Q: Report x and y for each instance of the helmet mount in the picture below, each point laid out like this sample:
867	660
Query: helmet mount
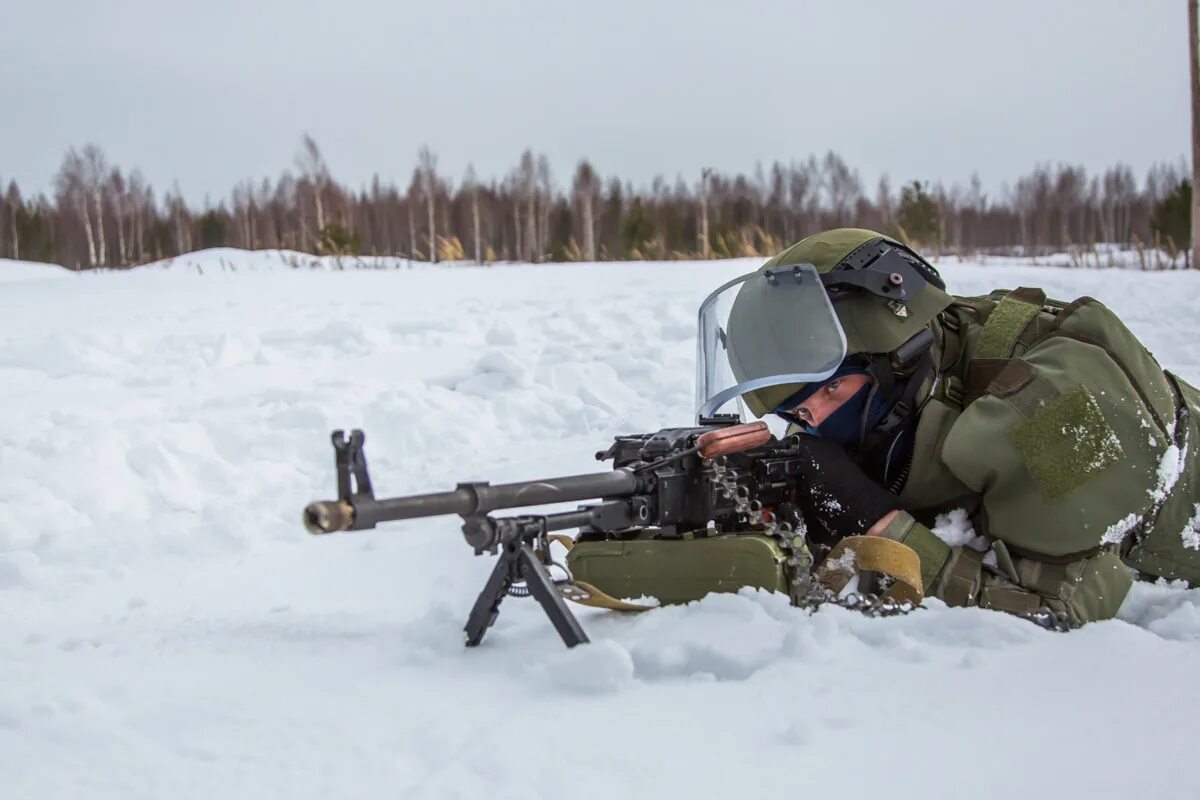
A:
882	269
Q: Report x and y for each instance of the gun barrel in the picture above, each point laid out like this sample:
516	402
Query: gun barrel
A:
468	498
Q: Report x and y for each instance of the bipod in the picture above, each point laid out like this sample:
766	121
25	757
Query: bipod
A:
518	562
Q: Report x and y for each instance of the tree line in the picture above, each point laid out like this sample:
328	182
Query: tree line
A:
99	215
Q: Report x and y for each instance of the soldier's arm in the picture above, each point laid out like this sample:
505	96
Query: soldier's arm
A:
1085	589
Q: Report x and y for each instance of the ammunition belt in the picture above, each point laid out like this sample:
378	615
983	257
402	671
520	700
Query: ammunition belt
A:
803	590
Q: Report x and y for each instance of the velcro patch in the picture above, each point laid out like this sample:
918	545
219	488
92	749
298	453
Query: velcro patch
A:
1066	443
1003	326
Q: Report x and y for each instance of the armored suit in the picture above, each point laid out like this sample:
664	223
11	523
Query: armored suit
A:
1053	427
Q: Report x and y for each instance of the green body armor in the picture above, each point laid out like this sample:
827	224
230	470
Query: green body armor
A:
1068	444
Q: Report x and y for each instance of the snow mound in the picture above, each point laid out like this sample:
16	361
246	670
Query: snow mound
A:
25	271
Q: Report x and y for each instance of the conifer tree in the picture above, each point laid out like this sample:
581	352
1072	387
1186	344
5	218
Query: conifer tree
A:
637	231
1171	221
917	216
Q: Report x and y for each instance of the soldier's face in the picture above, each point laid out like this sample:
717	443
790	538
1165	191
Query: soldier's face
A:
829	398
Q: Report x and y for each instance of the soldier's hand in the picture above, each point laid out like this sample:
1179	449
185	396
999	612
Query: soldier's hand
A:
836	494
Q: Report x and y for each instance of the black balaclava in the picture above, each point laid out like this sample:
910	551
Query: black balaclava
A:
845	425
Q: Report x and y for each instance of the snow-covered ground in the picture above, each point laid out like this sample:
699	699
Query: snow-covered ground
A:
169	630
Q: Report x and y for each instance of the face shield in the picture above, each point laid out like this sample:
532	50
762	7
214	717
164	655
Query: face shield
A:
767	329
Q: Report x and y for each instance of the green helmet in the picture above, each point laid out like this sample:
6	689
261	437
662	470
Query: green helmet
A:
882	293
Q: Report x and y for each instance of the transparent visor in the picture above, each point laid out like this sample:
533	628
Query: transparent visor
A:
767	329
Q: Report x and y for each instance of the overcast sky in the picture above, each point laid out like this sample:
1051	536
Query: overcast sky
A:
216	91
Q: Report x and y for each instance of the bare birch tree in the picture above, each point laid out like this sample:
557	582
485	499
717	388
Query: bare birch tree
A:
528	174
514	191
95	177
142	201
71	187
842	185
803	197
884	200
544	190
427	169
471	186
410	207
117	192
584	190
178	211
312	166
974	206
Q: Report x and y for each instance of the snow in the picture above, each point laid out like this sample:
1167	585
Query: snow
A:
1115	533
1191	530
170	630
1170	468
955	529
22	271
845	562
1104	255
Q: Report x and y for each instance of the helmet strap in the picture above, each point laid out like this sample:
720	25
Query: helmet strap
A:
883	384
902	409
910	365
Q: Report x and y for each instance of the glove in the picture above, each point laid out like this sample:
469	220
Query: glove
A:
835	493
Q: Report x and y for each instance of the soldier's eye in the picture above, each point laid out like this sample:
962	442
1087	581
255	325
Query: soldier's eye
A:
833	385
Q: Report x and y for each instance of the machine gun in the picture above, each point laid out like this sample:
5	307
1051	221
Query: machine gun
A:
719	477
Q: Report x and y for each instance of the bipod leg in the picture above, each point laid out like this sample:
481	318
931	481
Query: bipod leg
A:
537	578
487	605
